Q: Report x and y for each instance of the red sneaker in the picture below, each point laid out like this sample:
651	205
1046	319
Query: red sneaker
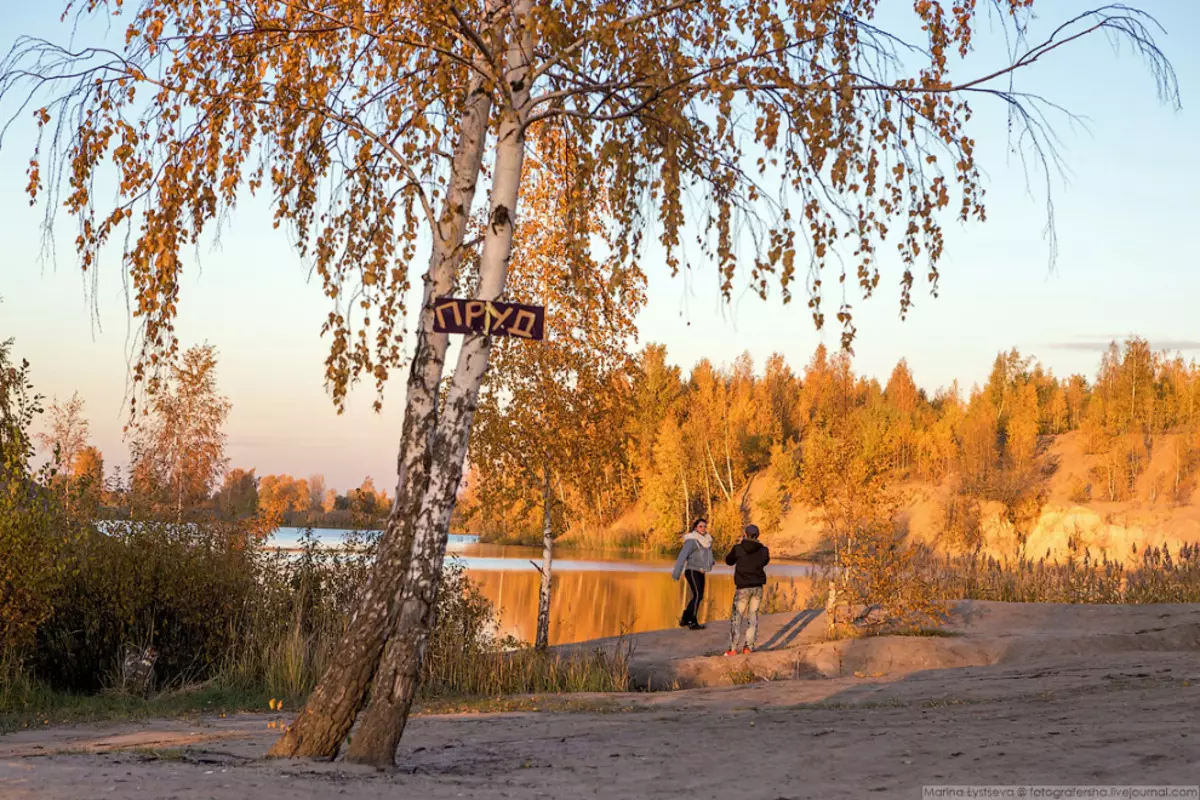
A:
747	651
731	652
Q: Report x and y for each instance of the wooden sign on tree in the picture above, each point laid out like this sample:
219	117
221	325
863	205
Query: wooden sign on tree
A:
489	317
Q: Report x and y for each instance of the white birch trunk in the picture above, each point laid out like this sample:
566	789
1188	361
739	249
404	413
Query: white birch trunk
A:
542	640
708	495
396	680
687	497
717	473
728	456
327	717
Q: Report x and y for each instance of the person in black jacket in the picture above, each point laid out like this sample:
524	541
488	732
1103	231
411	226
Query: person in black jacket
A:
748	559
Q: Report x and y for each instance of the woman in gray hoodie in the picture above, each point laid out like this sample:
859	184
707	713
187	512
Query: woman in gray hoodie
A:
694	562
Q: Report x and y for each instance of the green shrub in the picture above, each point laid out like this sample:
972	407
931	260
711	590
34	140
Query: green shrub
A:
33	536
33	527
181	588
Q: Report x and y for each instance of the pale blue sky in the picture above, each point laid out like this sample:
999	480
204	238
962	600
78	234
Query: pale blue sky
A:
1128	244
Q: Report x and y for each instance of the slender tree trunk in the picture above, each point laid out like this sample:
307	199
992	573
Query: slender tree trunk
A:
728	457
717	473
543	618
398	675
683	496
831	604
708	495
1133	397
1178	468
833	597
178	480
327	717
687	496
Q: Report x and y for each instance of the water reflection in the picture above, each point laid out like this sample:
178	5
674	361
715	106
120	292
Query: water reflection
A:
595	594
593	598
288	539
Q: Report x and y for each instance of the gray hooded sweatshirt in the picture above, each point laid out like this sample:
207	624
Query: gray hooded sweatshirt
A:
696	554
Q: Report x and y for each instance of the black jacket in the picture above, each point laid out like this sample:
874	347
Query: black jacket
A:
748	559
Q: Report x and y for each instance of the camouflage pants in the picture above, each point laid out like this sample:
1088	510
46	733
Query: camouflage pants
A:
745	608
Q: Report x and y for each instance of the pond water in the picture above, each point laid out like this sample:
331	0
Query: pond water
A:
594	593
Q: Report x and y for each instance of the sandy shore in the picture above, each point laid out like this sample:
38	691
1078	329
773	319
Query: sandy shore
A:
1031	695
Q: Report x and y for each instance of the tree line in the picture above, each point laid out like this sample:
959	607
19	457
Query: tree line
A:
676	446
178	467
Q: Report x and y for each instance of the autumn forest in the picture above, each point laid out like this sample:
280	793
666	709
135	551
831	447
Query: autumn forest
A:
666	446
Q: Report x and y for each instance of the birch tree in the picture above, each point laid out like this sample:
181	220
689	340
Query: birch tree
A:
542	414
65	438
66	433
807	136
179	446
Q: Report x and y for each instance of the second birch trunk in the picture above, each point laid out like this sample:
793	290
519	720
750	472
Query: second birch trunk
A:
543	619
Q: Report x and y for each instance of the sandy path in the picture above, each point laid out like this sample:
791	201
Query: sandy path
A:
1112	714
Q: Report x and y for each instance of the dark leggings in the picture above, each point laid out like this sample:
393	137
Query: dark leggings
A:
695	583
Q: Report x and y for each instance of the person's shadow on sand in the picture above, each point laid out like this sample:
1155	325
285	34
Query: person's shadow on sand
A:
788	632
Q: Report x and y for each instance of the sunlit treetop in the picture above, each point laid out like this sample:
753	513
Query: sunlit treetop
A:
791	137
546	407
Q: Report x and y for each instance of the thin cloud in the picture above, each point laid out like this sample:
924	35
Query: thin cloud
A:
1087	345
1176	344
256	442
1099	345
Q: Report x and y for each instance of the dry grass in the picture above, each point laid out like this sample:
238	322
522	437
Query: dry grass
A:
32	704
1162	577
741	676
906	590
529	671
